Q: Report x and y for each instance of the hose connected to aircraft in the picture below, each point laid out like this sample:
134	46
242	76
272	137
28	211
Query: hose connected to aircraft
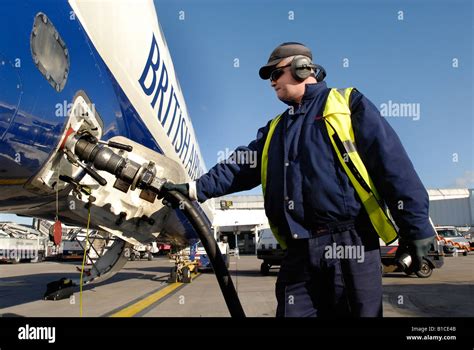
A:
131	175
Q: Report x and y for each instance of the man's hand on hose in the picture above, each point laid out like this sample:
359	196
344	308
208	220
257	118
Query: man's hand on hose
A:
168	199
416	248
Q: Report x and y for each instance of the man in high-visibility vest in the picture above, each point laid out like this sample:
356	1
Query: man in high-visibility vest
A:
328	165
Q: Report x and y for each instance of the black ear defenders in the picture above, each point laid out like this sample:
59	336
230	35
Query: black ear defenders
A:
301	67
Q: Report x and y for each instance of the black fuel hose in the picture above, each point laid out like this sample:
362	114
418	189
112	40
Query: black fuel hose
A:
106	160
213	252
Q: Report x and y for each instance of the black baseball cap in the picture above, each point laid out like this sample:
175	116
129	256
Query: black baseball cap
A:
282	51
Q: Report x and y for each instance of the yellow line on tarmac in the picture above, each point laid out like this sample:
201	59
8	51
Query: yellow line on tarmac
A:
12	181
139	306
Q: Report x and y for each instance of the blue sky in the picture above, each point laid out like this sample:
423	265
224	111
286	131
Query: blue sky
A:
403	60
407	60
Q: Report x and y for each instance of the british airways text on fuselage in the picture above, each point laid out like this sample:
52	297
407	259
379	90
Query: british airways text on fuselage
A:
155	82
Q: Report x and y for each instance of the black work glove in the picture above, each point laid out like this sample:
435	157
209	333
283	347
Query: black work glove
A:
416	248
169	200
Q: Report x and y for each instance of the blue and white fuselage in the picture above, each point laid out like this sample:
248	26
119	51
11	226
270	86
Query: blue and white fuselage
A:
97	66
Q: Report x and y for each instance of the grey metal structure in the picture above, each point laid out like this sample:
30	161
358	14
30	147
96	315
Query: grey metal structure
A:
452	207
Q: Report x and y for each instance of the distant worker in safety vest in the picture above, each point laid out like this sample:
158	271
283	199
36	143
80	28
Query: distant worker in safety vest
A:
329	166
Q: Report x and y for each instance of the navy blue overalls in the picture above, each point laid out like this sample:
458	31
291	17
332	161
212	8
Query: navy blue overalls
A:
312	201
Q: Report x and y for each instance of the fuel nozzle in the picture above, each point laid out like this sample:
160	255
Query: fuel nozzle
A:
128	174
103	158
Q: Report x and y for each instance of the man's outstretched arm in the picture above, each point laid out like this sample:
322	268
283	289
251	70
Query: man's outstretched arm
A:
239	172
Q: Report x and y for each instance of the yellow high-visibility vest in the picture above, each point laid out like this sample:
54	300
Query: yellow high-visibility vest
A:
280	239
337	117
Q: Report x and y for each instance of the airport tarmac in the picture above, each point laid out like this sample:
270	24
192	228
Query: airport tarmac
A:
141	290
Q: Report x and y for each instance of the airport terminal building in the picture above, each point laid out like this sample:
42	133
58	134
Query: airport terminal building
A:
241	218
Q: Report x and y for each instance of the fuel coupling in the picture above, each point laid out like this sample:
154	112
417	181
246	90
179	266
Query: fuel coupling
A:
86	151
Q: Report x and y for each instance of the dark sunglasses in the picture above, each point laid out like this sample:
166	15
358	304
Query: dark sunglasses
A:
277	73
